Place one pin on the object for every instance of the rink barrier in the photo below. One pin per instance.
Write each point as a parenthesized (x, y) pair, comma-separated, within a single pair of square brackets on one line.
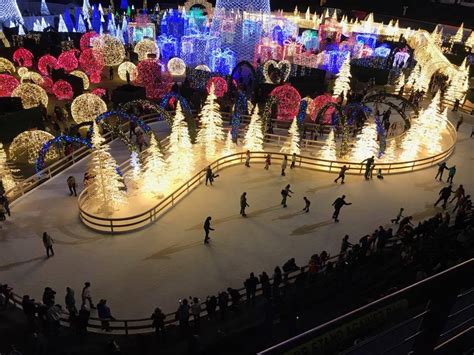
[(143, 219)]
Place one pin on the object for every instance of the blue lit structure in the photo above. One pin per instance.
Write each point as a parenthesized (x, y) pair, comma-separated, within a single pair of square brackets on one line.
[(240, 108), (222, 61), (168, 47), (382, 51), (367, 39)]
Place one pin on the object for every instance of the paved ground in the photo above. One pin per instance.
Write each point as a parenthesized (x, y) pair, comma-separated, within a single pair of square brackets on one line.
[(167, 261)]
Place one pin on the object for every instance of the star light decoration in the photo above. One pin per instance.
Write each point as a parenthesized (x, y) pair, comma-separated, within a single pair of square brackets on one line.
[(288, 101), (146, 46), (83, 76), (127, 67), (47, 63), (176, 66), (26, 145), (63, 90), (111, 49), (292, 144), (23, 57), (87, 107), (220, 85), (8, 83), (6, 66), (31, 95)]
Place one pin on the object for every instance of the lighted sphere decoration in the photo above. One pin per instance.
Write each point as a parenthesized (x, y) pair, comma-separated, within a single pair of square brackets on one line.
[(23, 57), (6, 66), (68, 60), (127, 67), (288, 101), (31, 95), (99, 92), (146, 46), (63, 90), (26, 146), (95, 77), (86, 40), (203, 67), (176, 66), (32, 77), (92, 64), (220, 85), (47, 84), (111, 49), (316, 105), (46, 62), (8, 83), (148, 72), (87, 107), (83, 76), (22, 71)]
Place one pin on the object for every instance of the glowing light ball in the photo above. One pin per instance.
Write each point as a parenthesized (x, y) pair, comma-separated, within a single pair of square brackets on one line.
[(318, 103), (23, 57), (33, 77), (111, 49), (92, 64), (83, 76), (95, 77), (146, 46), (63, 90), (220, 85), (47, 84), (176, 66), (99, 92), (46, 63), (8, 83), (127, 67), (26, 146), (203, 68), (31, 95), (86, 38), (288, 101), (22, 71), (6, 66), (148, 71), (68, 60), (87, 107)]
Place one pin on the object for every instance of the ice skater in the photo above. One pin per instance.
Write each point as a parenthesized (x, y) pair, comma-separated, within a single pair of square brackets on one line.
[(268, 161), (243, 204), (247, 158), (399, 216), (4, 202), (293, 161), (209, 175), (207, 229), (284, 163), (451, 173), (368, 165), (342, 174), (307, 203), (444, 195), (71, 183), (458, 194), (285, 193), (441, 168), (338, 203), (48, 244)]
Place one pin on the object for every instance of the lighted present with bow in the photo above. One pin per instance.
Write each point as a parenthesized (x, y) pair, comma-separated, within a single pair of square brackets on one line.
[(291, 47), (267, 50), (222, 61), (310, 40), (168, 47), (196, 49), (307, 59)]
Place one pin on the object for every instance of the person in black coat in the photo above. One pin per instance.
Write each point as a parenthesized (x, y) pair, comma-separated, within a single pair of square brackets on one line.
[(207, 229), (338, 203)]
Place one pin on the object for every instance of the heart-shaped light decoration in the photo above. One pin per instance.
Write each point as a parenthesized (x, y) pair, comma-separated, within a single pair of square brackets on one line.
[(284, 66)]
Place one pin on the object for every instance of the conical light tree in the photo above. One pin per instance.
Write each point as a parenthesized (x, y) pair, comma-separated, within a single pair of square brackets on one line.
[(414, 76), (44, 8), (107, 190), (400, 83), (366, 145), (181, 157), (459, 34), (211, 131), (328, 151), (6, 171), (155, 178), (459, 84), (135, 173), (390, 153), (253, 139), (62, 25), (229, 145), (292, 144), (343, 80), (470, 41)]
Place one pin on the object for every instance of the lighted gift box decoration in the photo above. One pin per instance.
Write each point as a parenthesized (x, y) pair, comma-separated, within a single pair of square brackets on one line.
[(382, 51), (329, 33), (310, 40), (267, 50), (291, 47), (173, 23), (401, 58), (308, 59), (250, 29), (197, 49), (369, 40), (222, 61), (168, 47), (227, 30), (137, 31), (332, 60)]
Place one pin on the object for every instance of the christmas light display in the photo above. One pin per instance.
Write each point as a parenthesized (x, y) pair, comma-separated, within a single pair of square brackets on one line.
[(135, 173), (414, 76), (282, 68), (366, 144), (23, 57), (22, 71), (211, 132), (328, 150), (62, 90), (110, 48), (31, 95), (92, 64), (9, 11), (8, 83), (457, 38), (68, 60), (292, 144), (86, 40), (176, 66), (83, 76), (155, 175), (47, 84), (470, 41), (203, 68), (32, 77), (318, 103), (127, 67), (26, 145), (220, 85), (253, 140), (101, 92), (6, 66), (181, 157), (288, 101), (87, 107), (7, 172), (145, 47), (343, 80), (150, 75), (229, 145), (459, 84), (390, 154), (400, 83), (432, 123), (106, 190), (46, 64), (222, 61)]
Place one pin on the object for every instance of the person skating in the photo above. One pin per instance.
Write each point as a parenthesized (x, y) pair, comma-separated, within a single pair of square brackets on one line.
[(86, 295), (342, 174), (268, 161), (5, 203), (285, 193), (307, 203), (293, 161), (209, 175), (247, 158), (458, 194), (399, 216), (368, 165), (379, 174), (441, 168), (284, 163), (338, 203), (207, 229), (444, 195), (71, 184), (451, 173), (48, 244), (243, 204)]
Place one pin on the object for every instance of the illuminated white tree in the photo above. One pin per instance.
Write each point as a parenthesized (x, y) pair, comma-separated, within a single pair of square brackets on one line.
[(470, 40), (414, 76), (437, 36), (62, 25), (343, 80), (366, 144), (155, 178), (459, 34), (390, 153), (459, 84), (7, 176), (44, 8), (328, 150), (400, 83), (253, 139), (181, 157), (107, 190), (292, 144), (229, 145), (135, 171), (211, 131)]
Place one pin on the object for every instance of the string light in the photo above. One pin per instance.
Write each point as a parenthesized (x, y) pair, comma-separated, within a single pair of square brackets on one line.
[(146, 46), (83, 76), (155, 176), (31, 95), (6, 66), (328, 150), (63, 90), (99, 92), (390, 153), (229, 145), (220, 85), (203, 68), (366, 144), (67, 60), (288, 101), (343, 80), (47, 63), (23, 57), (26, 146), (8, 83), (292, 144), (87, 107), (127, 67), (318, 103), (33, 77), (284, 66), (22, 71), (47, 84), (176, 66), (110, 48), (135, 170), (253, 139)]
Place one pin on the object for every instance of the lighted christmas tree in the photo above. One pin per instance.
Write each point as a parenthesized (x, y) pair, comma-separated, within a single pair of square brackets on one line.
[(7, 176), (437, 36), (9, 11), (62, 25), (86, 9), (44, 9), (107, 190), (390, 153), (211, 131), (470, 41), (400, 83), (155, 178), (253, 139), (135, 173), (423, 80), (459, 84), (81, 26), (457, 38), (414, 76), (328, 150), (292, 144), (343, 80), (366, 144), (181, 157), (229, 146)]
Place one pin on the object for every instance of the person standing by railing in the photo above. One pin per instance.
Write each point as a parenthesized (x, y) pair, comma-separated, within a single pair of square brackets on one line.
[(158, 318), (70, 301), (247, 158), (251, 289), (86, 295)]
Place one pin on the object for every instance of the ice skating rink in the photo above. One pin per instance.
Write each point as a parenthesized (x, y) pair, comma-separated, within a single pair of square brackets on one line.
[(158, 265)]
